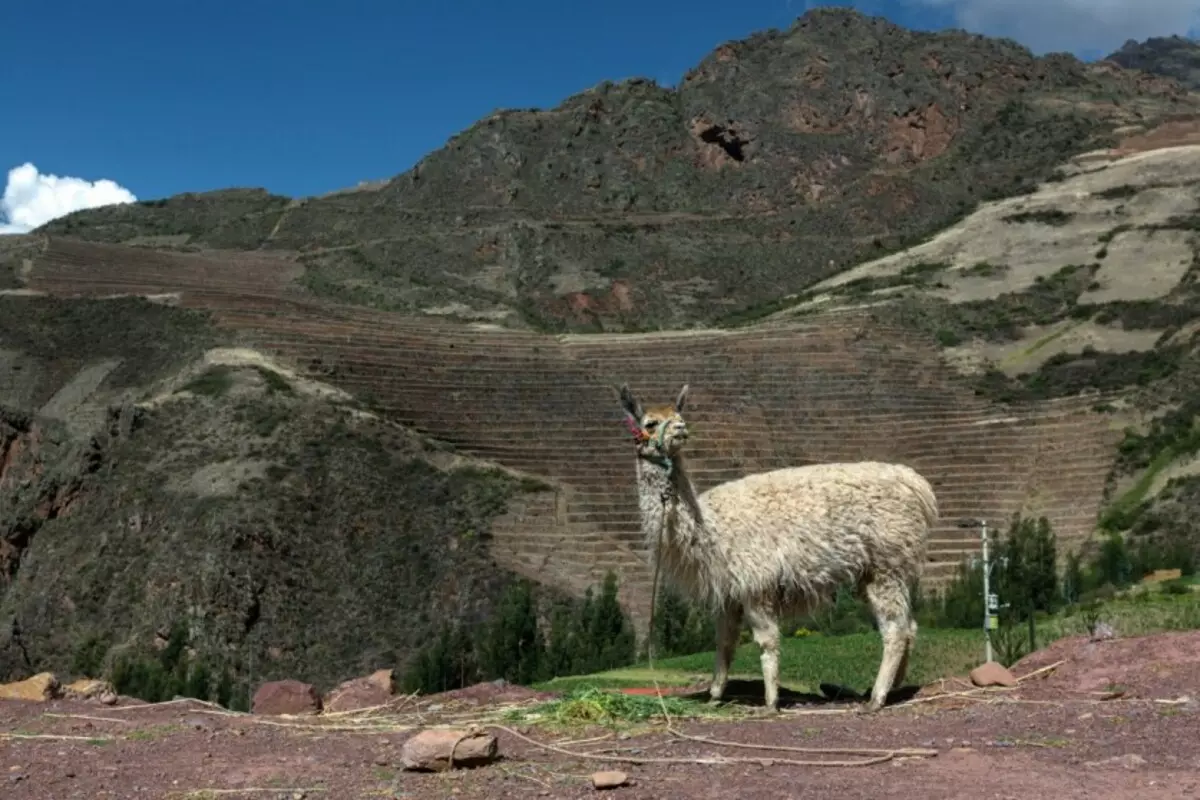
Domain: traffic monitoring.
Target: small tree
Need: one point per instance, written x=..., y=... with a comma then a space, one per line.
x=562, y=651
x=680, y=627
x=609, y=633
x=515, y=649
x=1113, y=564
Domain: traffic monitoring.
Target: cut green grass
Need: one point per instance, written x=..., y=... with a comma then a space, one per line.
x=590, y=705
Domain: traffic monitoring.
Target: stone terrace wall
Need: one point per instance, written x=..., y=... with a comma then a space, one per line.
x=828, y=388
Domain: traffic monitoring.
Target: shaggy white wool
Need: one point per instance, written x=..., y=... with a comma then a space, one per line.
x=782, y=542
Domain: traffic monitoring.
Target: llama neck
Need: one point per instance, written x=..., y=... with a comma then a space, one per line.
x=669, y=503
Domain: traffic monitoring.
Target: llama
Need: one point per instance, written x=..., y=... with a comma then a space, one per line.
x=782, y=542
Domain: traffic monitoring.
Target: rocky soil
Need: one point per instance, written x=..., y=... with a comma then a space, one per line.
x=1065, y=732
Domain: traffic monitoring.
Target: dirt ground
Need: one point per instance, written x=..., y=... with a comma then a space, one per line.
x=1111, y=719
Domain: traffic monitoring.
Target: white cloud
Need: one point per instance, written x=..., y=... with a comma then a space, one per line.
x=32, y=199
x=1075, y=26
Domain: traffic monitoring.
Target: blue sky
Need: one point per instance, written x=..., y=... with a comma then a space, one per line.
x=305, y=97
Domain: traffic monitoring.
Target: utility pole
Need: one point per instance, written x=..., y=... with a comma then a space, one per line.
x=991, y=601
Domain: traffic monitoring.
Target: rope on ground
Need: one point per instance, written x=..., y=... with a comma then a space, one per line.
x=879, y=757
x=54, y=736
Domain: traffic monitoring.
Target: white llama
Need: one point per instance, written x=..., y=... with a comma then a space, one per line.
x=781, y=542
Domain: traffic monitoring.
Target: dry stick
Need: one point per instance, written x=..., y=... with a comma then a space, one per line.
x=576, y=742
x=54, y=736
x=906, y=752
x=85, y=716
x=866, y=762
x=179, y=700
x=1046, y=668
x=251, y=790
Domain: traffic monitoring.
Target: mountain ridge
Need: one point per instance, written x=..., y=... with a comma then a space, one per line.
x=631, y=207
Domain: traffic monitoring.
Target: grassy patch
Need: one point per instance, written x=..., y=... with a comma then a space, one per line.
x=983, y=269
x=1112, y=233
x=851, y=660
x=213, y=382
x=152, y=733
x=805, y=663
x=276, y=383
x=594, y=706
x=1117, y=192
x=1049, y=300
x=1046, y=216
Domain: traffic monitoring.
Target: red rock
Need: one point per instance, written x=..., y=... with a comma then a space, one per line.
x=992, y=674
x=359, y=693
x=286, y=697
x=429, y=750
x=383, y=679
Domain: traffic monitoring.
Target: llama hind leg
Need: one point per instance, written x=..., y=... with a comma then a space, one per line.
x=889, y=601
x=729, y=626
x=902, y=670
x=766, y=635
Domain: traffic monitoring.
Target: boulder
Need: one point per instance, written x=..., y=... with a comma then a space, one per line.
x=609, y=779
x=429, y=750
x=286, y=697
x=992, y=674
x=41, y=687
x=89, y=689
x=359, y=693
x=383, y=679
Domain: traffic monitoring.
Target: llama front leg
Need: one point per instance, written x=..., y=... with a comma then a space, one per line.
x=729, y=626
x=766, y=635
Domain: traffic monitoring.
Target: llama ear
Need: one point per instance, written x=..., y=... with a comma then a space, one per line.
x=681, y=400
x=630, y=403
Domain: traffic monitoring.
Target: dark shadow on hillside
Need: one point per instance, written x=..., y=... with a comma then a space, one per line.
x=751, y=693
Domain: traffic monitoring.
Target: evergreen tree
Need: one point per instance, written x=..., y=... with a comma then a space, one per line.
x=609, y=633
x=563, y=648
x=1113, y=564
x=1074, y=581
x=515, y=649
x=1044, y=571
x=224, y=689
x=681, y=627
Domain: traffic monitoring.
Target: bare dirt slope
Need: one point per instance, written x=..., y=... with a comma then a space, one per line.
x=1048, y=738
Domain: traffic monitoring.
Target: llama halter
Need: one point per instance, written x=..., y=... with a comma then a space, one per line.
x=642, y=436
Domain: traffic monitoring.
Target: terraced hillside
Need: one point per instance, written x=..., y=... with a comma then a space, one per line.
x=1089, y=283
x=838, y=386
x=780, y=160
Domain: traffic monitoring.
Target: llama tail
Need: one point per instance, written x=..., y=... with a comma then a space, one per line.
x=915, y=482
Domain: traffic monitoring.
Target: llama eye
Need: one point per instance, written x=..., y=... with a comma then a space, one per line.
x=650, y=424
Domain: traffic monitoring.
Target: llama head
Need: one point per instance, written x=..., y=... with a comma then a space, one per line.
x=659, y=430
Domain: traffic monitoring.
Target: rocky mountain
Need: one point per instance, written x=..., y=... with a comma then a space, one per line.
x=1171, y=56
x=780, y=160
x=265, y=418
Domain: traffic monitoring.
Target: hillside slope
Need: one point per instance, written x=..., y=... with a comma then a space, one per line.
x=1171, y=56
x=153, y=478
x=779, y=161
x=1090, y=284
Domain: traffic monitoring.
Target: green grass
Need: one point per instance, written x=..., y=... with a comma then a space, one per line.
x=851, y=660
x=213, y=382
x=804, y=664
x=595, y=706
